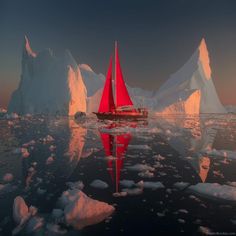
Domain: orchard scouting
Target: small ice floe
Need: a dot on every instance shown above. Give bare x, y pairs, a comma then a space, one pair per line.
48, 139
30, 143
160, 214
99, 184
127, 183
41, 191
120, 194
140, 168
218, 173
22, 214
146, 174
133, 191
150, 185
24, 152
52, 148
169, 191
81, 210
8, 177
50, 160
139, 147
158, 165
181, 221
57, 213
75, 185
183, 211
204, 230
181, 185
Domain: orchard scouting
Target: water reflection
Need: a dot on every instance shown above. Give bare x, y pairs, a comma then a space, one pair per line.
115, 147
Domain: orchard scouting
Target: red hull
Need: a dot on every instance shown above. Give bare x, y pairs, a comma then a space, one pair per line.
132, 115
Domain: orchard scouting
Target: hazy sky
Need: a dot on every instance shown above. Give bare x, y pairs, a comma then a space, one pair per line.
155, 37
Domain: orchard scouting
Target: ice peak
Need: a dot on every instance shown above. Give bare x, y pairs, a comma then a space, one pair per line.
28, 48
204, 58
86, 67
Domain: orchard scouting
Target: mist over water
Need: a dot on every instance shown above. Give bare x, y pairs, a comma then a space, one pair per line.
170, 170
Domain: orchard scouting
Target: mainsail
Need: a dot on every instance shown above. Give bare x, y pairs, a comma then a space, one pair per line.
122, 95
107, 101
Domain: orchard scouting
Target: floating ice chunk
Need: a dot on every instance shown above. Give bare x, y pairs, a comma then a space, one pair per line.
75, 185
133, 191
140, 147
52, 148
181, 185
146, 174
30, 143
183, 211
99, 184
140, 167
48, 139
8, 177
24, 152
214, 191
50, 160
204, 230
159, 214
21, 214
81, 210
127, 183
120, 194
150, 185
41, 191
181, 221
57, 213
20, 210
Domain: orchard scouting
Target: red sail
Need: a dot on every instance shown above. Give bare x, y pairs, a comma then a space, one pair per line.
122, 95
107, 101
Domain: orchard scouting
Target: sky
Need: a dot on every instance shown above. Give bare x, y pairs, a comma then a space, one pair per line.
155, 37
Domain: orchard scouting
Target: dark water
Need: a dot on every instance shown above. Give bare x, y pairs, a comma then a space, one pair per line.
175, 149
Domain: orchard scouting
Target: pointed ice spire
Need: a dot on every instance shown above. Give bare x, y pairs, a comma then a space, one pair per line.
204, 58
27, 48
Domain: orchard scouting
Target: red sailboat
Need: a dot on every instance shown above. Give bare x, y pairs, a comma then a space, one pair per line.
123, 107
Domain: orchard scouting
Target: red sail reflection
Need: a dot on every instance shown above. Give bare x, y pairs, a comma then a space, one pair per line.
115, 145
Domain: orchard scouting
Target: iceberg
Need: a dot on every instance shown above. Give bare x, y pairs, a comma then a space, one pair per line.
191, 89
48, 84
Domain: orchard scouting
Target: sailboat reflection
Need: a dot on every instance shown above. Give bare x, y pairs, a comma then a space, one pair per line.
115, 146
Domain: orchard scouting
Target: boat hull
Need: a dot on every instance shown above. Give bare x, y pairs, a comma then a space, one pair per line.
121, 116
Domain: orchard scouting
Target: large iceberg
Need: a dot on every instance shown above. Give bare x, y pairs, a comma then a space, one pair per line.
194, 78
48, 84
